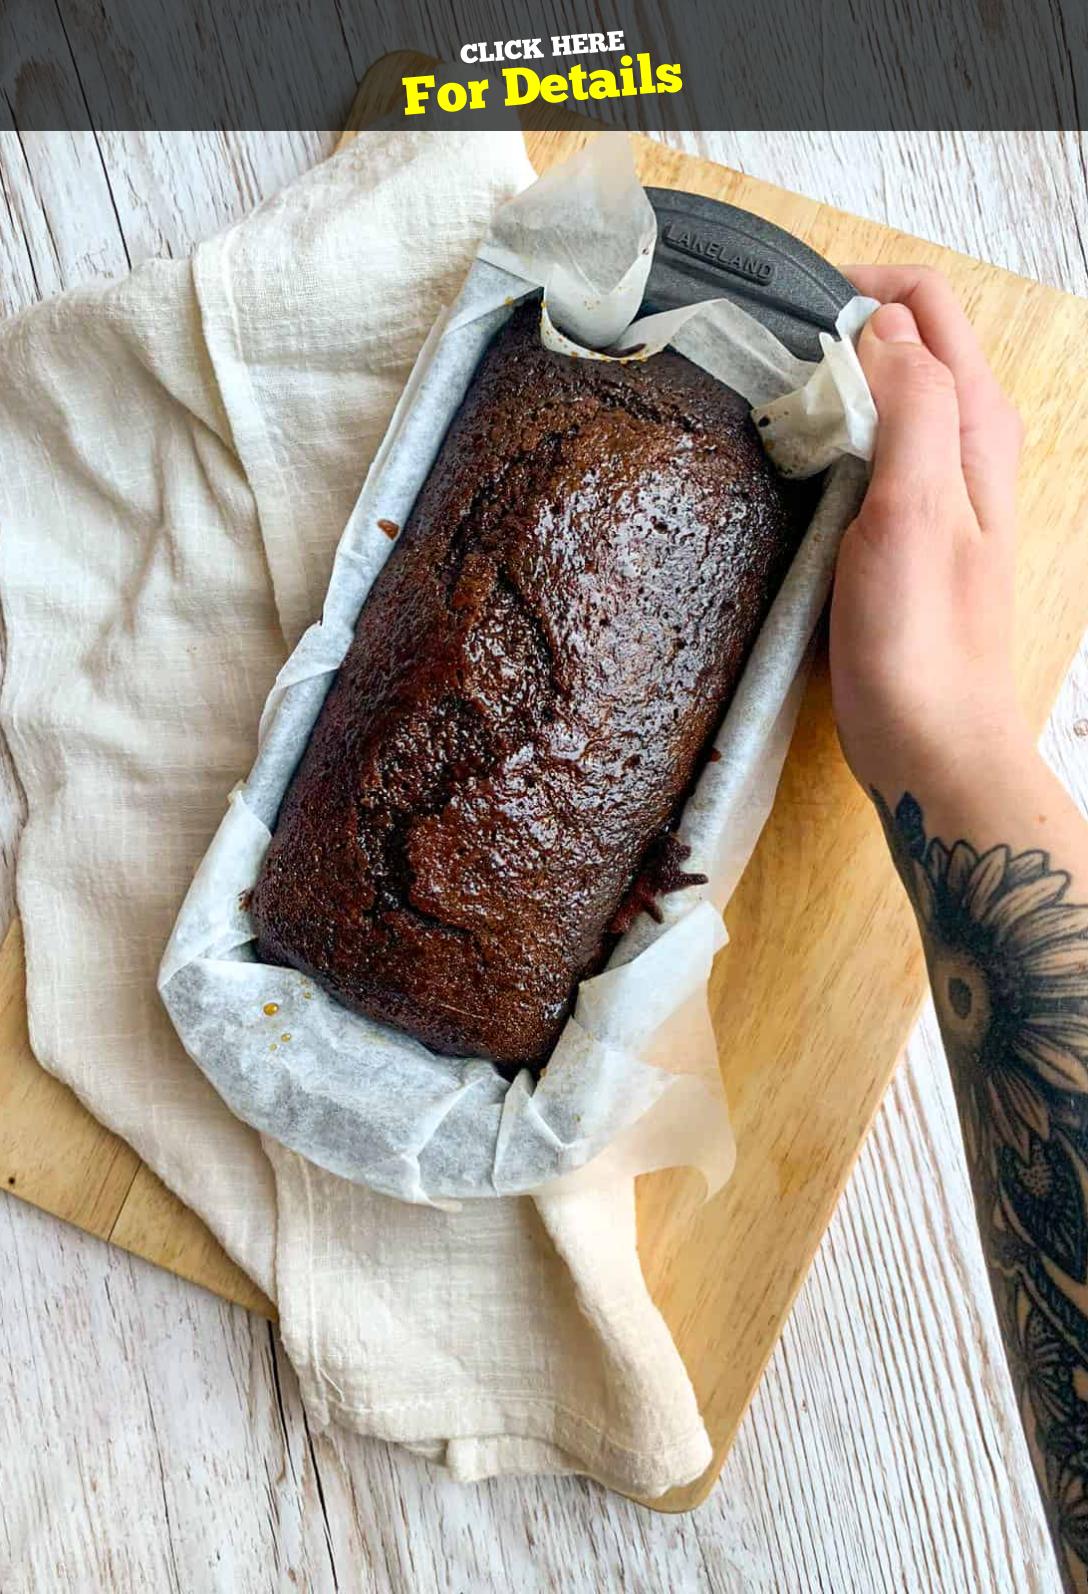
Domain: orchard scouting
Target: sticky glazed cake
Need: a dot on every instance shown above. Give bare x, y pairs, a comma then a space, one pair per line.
488, 793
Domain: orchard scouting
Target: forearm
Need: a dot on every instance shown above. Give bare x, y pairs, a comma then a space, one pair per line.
994, 856
992, 852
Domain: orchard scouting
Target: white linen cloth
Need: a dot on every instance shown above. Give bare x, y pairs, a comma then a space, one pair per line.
179, 452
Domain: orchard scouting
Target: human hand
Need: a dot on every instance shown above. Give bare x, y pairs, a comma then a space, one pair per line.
992, 852
921, 619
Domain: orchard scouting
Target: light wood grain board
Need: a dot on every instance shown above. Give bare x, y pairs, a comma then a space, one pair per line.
55, 1154
809, 1029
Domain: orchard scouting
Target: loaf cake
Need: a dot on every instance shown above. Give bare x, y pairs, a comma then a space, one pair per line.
488, 793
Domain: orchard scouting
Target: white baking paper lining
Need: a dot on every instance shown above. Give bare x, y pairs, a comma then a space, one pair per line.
633, 1083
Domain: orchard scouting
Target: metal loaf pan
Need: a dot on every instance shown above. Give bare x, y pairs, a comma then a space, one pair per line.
707, 249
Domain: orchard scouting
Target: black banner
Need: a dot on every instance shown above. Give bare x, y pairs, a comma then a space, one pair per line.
801, 64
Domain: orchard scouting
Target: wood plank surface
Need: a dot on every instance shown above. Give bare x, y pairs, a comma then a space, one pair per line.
879, 1453
808, 967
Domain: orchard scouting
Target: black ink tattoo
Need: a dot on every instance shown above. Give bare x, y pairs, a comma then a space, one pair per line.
1008, 963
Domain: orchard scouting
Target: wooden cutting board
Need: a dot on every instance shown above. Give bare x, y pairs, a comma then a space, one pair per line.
815, 995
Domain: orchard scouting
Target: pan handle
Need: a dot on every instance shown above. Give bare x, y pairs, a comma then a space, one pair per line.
707, 249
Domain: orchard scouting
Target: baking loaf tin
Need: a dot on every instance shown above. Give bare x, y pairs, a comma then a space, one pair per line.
710, 250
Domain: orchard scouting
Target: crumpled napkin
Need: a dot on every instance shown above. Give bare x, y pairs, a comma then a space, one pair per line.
179, 453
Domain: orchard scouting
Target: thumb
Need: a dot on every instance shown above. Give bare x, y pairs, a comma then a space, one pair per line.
917, 451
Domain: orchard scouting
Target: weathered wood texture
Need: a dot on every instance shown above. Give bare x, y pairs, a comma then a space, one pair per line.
797, 983
150, 1444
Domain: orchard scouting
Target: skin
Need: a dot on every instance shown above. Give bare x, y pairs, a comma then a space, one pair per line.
991, 849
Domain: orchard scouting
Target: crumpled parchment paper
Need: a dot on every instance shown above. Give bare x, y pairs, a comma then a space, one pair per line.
634, 1081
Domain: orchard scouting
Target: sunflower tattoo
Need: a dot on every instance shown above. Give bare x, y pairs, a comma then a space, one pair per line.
1007, 955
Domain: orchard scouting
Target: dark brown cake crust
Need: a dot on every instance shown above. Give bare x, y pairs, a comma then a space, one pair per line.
532, 683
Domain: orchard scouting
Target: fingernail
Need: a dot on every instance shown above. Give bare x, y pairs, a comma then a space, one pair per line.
893, 323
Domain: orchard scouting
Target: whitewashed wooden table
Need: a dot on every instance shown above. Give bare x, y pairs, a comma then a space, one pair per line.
153, 1436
